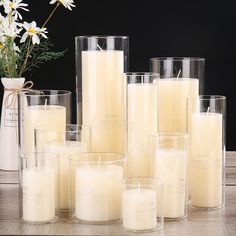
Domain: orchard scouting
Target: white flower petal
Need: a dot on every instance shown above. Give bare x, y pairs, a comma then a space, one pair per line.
24, 37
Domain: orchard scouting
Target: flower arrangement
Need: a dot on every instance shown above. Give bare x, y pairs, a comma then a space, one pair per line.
23, 45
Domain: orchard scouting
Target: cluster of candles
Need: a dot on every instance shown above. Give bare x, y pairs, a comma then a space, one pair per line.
147, 146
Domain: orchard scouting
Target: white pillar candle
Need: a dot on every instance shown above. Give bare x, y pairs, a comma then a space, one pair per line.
142, 119
40, 115
172, 103
206, 160
39, 194
103, 109
139, 209
98, 192
171, 169
65, 150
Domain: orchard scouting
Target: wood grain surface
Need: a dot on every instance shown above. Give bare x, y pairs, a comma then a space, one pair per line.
199, 222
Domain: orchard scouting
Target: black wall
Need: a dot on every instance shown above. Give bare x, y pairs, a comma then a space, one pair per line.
202, 28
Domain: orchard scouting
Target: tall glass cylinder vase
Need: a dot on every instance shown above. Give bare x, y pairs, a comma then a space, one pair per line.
180, 77
141, 112
41, 107
100, 62
206, 128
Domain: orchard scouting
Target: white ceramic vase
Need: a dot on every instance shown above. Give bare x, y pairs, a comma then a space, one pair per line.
9, 124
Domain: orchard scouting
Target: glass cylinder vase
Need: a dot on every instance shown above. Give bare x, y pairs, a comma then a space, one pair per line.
141, 119
100, 62
65, 142
41, 107
142, 204
180, 77
39, 187
170, 154
96, 187
206, 129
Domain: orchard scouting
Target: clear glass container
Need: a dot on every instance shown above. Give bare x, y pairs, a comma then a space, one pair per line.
39, 187
142, 204
96, 187
206, 129
65, 142
169, 152
41, 107
141, 119
180, 77
100, 62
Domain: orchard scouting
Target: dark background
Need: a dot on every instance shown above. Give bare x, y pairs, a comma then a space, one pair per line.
200, 28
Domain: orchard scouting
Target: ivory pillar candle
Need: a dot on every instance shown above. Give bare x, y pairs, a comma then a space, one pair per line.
171, 169
206, 159
139, 209
98, 190
38, 194
65, 150
142, 119
102, 98
172, 103
39, 115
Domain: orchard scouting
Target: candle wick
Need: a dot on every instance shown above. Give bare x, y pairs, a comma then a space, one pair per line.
178, 74
208, 110
45, 104
99, 47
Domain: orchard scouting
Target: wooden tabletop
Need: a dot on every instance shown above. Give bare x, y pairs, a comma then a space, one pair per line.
200, 223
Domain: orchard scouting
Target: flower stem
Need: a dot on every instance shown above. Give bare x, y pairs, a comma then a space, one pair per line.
29, 50
50, 16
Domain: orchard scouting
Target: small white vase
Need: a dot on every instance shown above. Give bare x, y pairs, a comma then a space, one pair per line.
9, 123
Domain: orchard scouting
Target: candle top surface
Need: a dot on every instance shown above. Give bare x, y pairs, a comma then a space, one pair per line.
46, 107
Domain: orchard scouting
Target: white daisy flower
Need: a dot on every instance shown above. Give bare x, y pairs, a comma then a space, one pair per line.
9, 28
12, 6
33, 31
66, 3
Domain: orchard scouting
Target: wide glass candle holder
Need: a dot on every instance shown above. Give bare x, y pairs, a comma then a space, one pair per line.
180, 77
206, 129
170, 155
39, 187
142, 204
65, 142
100, 62
96, 187
41, 107
141, 119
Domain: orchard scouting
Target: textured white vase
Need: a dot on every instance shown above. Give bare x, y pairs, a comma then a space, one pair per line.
9, 123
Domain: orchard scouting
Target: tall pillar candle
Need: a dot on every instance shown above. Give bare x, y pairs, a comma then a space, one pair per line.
141, 119
206, 160
101, 61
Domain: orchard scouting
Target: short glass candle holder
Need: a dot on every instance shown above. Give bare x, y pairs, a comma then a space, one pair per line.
206, 130
142, 204
169, 155
39, 187
41, 107
96, 187
64, 141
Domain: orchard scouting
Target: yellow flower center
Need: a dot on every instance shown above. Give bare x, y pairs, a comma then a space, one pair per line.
11, 5
1, 45
32, 30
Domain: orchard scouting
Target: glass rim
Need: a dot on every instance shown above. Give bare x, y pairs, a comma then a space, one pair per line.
208, 97
127, 74
177, 59
155, 180
62, 92
78, 157
101, 37
44, 128
33, 155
